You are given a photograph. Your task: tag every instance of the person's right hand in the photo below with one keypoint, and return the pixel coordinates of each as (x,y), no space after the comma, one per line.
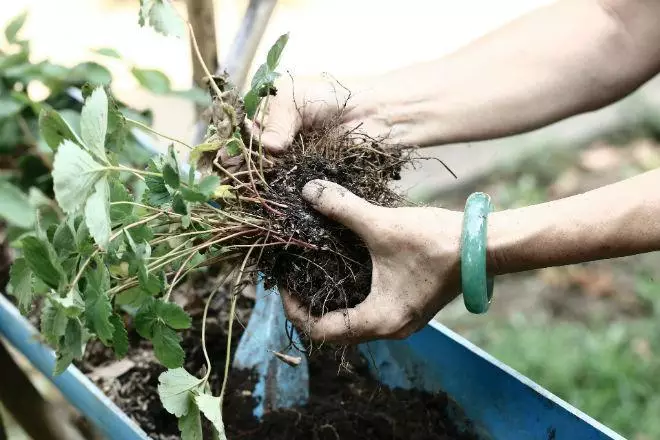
(313,102)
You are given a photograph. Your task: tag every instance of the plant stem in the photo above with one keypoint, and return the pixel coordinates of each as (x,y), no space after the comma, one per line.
(134,171)
(206,311)
(146,127)
(232,311)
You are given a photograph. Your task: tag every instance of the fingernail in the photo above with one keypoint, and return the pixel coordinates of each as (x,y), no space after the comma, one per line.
(312,191)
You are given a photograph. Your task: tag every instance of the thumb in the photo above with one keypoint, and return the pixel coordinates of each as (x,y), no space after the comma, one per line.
(338,203)
(279,129)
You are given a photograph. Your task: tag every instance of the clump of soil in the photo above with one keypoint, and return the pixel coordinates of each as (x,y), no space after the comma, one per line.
(337,272)
(319,260)
(344,403)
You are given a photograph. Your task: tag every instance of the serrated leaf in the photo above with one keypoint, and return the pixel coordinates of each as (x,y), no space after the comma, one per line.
(54,129)
(108,52)
(133,297)
(74,174)
(146,318)
(173,315)
(97,213)
(275,52)
(63,359)
(179,205)
(174,389)
(157,193)
(53,323)
(164,19)
(98,308)
(233,147)
(171,176)
(21,283)
(72,304)
(190,424)
(73,338)
(167,347)
(64,241)
(210,407)
(152,80)
(197,150)
(208,185)
(119,336)
(15,206)
(192,195)
(42,260)
(118,193)
(14,27)
(94,122)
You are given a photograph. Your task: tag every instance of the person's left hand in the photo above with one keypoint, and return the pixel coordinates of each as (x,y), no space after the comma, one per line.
(416,267)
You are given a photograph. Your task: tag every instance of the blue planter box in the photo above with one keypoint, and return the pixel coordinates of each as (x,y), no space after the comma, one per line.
(500,402)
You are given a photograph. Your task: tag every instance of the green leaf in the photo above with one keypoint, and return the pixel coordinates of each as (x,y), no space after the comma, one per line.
(10,107)
(210,407)
(73,338)
(119,193)
(190,424)
(119,336)
(98,308)
(54,129)
(208,185)
(152,80)
(173,315)
(164,19)
(97,213)
(42,260)
(167,347)
(53,322)
(251,102)
(21,283)
(72,304)
(74,176)
(93,73)
(157,193)
(94,122)
(15,206)
(14,26)
(108,52)
(179,205)
(275,52)
(192,195)
(198,150)
(145,7)
(171,176)
(64,241)
(62,362)
(174,389)
(234,147)
(196,95)
(146,318)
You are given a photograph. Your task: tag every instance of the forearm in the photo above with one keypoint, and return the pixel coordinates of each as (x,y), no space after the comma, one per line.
(564,59)
(613,221)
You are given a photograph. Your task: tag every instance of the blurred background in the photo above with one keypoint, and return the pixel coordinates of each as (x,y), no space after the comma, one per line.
(588,333)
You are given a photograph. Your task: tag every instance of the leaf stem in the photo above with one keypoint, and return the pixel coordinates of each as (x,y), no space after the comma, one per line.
(146,127)
(206,311)
(232,311)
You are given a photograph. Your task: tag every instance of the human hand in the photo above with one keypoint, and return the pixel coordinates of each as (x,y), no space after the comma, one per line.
(415,260)
(313,102)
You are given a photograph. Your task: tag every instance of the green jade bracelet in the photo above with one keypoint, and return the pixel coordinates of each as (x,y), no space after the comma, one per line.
(477,286)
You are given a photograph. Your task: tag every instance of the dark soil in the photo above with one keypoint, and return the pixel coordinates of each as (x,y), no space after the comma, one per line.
(345,403)
(337,274)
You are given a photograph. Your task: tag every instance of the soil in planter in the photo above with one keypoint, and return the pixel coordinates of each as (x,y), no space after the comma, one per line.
(345,402)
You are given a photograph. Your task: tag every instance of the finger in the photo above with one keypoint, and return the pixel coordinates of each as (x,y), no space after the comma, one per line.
(338,203)
(280,126)
(346,326)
